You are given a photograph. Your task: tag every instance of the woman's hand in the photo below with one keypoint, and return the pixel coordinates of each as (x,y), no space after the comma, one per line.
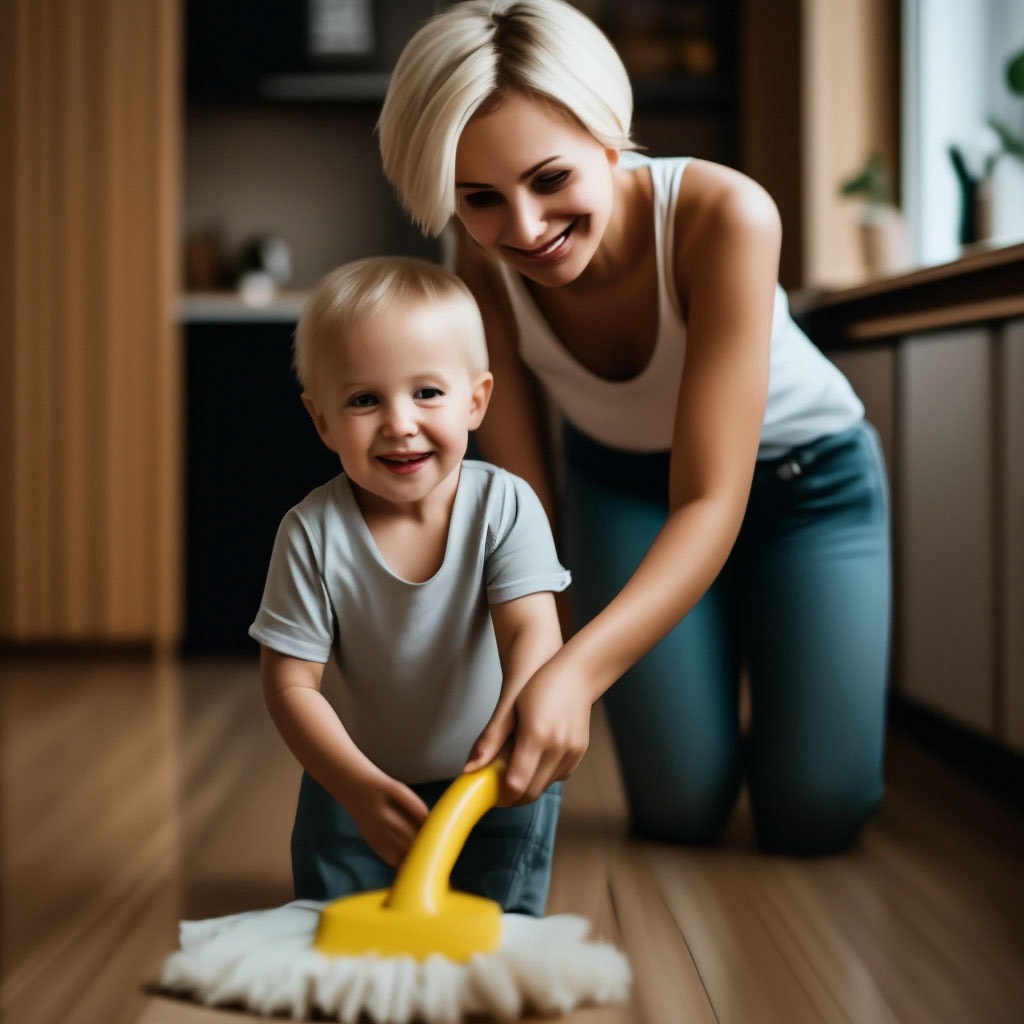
(388,815)
(496,732)
(552,731)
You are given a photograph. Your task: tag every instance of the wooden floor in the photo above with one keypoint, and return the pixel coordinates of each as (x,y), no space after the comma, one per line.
(133,793)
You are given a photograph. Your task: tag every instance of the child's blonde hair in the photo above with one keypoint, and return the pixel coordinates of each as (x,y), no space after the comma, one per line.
(473,53)
(363,289)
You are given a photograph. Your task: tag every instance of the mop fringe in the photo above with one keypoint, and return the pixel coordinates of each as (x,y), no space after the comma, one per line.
(264,960)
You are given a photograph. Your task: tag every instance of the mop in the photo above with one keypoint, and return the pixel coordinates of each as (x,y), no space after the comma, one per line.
(418,951)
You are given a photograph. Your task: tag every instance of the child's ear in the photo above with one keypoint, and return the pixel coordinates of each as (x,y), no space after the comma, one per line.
(481,396)
(315,415)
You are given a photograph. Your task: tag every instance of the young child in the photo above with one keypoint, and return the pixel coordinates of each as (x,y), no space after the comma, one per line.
(427,579)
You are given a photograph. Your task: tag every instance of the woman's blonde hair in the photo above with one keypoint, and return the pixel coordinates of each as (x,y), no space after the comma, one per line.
(478,50)
(358,291)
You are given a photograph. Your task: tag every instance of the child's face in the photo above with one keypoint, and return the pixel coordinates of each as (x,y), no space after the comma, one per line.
(396,399)
(534,188)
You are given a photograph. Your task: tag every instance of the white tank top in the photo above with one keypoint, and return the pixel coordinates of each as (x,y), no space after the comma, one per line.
(808,397)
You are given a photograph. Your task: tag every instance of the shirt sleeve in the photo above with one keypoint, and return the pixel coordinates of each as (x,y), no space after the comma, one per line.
(521,559)
(295,617)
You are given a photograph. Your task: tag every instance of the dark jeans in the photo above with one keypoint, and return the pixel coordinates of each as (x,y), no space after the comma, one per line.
(507,857)
(803,601)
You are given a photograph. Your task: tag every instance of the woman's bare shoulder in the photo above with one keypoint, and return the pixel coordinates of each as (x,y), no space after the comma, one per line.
(715,195)
(721,210)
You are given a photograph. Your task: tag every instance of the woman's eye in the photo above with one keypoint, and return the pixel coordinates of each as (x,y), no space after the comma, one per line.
(426,393)
(551,182)
(479,200)
(362,401)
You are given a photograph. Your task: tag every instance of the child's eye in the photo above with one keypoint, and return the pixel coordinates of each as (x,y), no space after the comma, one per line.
(363,401)
(480,200)
(426,393)
(550,182)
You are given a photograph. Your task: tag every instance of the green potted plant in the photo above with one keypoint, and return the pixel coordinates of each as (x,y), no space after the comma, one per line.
(882,234)
(974,166)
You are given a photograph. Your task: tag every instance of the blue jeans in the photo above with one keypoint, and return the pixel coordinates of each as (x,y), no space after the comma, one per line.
(507,857)
(803,603)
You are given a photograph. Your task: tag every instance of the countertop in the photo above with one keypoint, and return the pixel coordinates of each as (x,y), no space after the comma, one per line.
(229,307)
(984,284)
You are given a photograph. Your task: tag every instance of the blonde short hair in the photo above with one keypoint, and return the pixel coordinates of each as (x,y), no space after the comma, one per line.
(358,291)
(473,53)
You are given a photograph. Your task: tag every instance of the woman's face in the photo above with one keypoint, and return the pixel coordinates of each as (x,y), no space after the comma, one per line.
(534,188)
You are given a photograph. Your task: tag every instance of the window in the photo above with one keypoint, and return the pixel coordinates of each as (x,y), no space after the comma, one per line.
(954,62)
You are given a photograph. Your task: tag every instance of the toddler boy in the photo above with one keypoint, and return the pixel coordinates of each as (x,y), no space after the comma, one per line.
(426,581)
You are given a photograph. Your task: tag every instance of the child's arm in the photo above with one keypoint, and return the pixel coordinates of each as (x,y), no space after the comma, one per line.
(528,634)
(387,813)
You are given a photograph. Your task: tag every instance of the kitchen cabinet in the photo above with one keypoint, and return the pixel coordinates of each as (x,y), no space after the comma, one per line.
(961,526)
(872,372)
(945,509)
(682,58)
(267,49)
(938,356)
(251,452)
(1010,384)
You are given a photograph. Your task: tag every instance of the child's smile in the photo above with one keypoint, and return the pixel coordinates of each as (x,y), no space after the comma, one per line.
(396,398)
(405,463)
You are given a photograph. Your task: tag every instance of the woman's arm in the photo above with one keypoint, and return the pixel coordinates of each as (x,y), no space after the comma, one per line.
(387,813)
(728,239)
(528,634)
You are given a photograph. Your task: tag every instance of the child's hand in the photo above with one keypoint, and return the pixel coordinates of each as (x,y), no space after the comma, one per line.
(388,815)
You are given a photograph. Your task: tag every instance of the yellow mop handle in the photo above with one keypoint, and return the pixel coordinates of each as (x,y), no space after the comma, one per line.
(422,881)
(420,915)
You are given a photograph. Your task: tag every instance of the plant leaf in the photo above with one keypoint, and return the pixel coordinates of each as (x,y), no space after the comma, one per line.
(1011,144)
(872,181)
(1015,73)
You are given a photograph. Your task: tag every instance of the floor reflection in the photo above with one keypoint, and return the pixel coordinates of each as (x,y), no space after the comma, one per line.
(90,833)
(128,800)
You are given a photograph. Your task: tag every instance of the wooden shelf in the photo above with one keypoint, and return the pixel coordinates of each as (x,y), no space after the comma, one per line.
(982,285)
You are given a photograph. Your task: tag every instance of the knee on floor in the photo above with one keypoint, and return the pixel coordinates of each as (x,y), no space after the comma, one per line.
(812,823)
(688,826)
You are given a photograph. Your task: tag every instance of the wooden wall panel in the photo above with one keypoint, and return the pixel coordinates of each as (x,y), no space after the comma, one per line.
(89,472)
(771,128)
(820,89)
(850,106)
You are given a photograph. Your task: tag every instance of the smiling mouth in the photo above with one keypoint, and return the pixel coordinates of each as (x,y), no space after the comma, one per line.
(404,463)
(549,247)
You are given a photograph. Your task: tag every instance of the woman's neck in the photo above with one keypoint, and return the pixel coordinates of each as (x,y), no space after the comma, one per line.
(628,238)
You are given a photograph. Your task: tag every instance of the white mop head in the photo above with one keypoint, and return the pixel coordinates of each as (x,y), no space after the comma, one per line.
(264,960)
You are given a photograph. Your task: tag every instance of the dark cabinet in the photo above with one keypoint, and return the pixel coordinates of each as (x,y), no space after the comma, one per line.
(680,54)
(290,49)
(251,453)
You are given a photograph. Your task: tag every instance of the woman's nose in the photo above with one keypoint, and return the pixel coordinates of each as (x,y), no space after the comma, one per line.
(528,222)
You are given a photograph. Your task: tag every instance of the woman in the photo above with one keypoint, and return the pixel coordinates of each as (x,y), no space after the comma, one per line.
(721,497)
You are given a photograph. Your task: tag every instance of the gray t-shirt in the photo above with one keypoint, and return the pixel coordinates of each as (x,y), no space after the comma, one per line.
(419,668)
